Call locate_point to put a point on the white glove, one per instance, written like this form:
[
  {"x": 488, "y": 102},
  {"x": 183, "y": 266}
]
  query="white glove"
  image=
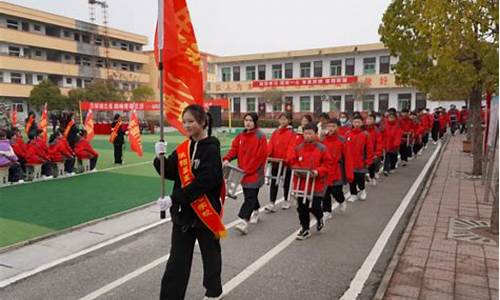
[
  {"x": 160, "y": 148},
  {"x": 225, "y": 163},
  {"x": 164, "y": 203}
]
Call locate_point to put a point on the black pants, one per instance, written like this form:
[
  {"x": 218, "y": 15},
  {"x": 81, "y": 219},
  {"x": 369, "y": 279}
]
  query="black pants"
[
  {"x": 118, "y": 153},
  {"x": 176, "y": 276},
  {"x": 273, "y": 190},
  {"x": 359, "y": 182},
  {"x": 93, "y": 162},
  {"x": 435, "y": 131},
  {"x": 463, "y": 128},
  {"x": 417, "y": 147},
  {"x": 69, "y": 165},
  {"x": 404, "y": 151},
  {"x": 250, "y": 203},
  {"x": 425, "y": 139},
  {"x": 47, "y": 169},
  {"x": 453, "y": 127},
  {"x": 374, "y": 167},
  {"x": 304, "y": 210},
  {"x": 391, "y": 158},
  {"x": 15, "y": 172},
  {"x": 337, "y": 193}
]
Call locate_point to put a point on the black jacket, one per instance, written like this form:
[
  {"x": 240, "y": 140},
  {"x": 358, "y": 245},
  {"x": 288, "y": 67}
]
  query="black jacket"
[{"x": 207, "y": 180}]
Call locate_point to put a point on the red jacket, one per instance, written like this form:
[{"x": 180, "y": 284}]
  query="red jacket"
[
  {"x": 341, "y": 170},
  {"x": 312, "y": 156},
  {"x": 281, "y": 142},
  {"x": 464, "y": 115},
  {"x": 343, "y": 130},
  {"x": 37, "y": 152},
  {"x": 376, "y": 139},
  {"x": 453, "y": 116},
  {"x": 84, "y": 150},
  {"x": 420, "y": 130},
  {"x": 250, "y": 148},
  {"x": 391, "y": 136},
  {"x": 19, "y": 148},
  {"x": 407, "y": 129},
  {"x": 426, "y": 122},
  {"x": 359, "y": 145},
  {"x": 443, "y": 121},
  {"x": 58, "y": 151}
]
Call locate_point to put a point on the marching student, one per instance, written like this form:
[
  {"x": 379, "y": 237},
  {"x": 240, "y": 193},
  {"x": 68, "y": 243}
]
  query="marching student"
[
  {"x": 341, "y": 171},
  {"x": 453, "y": 118},
  {"x": 279, "y": 145},
  {"x": 464, "y": 115},
  {"x": 435, "y": 125},
  {"x": 314, "y": 156},
  {"x": 345, "y": 123},
  {"x": 117, "y": 138},
  {"x": 195, "y": 205},
  {"x": 250, "y": 148},
  {"x": 322, "y": 121},
  {"x": 443, "y": 122},
  {"x": 425, "y": 120},
  {"x": 30, "y": 127},
  {"x": 299, "y": 134},
  {"x": 84, "y": 150},
  {"x": 8, "y": 159},
  {"x": 419, "y": 131},
  {"x": 391, "y": 137},
  {"x": 406, "y": 125},
  {"x": 359, "y": 144},
  {"x": 376, "y": 145}
]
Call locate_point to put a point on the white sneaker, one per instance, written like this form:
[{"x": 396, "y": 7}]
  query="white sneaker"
[
  {"x": 377, "y": 175},
  {"x": 210, "y": 298},
  {"x": 343, "y": 207},
  {"x": 397, "y": 165},
  {"x": 362, "y": 195},
  {"x": 270, "y": 208},
  {"x": 352, "y": 198},
  {"x": 47, "y": 177},
  {"x": 242, "y": 227},
  {"x": 327, "y": 216},
  {"x": 93, "y": 170},
  {"x": 254, "y": 219},
  {"x": 20, "y": 181},
  {"x": 286, "y": 205},
  {"x": 419, "y": 153},
  {"x": 374, "y": 182}
]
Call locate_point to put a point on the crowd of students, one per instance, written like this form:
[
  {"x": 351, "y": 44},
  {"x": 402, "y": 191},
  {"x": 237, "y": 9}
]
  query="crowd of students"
[
  {"x": 66, "y": 144},
  {"x": 352, "y": 150}
]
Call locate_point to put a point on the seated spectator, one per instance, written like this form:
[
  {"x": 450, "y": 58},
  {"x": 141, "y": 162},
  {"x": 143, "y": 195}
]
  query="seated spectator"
[
  {"x": 84, "y": 150},
  {"x": 9, "y": 159},
  {"x": 59, "y": 151},
  {"x": 17, "y": 142},
  {"x": 37, "y": 153}
]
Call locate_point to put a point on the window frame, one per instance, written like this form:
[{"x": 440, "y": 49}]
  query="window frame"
[
  {"x": 337, "y": 65},
  {"x": 384, "y": 67},
  {"x": 305, "y": 69},
  {"x": 318, "y": 68},
  {"x": 302, "y": 103}
]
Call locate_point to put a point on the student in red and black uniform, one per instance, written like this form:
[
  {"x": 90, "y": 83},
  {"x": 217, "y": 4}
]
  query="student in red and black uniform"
[
  {"x": 37, "y": 153},
  {"x": 406, "y": 125},
  {"x": 425, "y": 120},
  {"x": 376, "y": 145},
  {"x": 359, "y": 144},
  {"x": 59, "y": 151},
  {"x": 84, "y": 150},
  {"x": 345, "y": 124},
  {"x": 250, "y": 148},
  {"x": 341, "y": 171},
  {"x": 419, "y": 131},
  {"x": 117, "y": 138},
  {"x": 314, "y": 156},
  {"x": 187, "y": 225},
  {"x": 443, "y": 122},
  {"x": 453, "y": 118},
  {"x": 281, "y": 142},
  {"x": 464, "y": 116},
  {"x": 391, "y": 136}
]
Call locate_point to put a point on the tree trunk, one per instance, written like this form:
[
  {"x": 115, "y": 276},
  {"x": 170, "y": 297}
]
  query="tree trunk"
[
  {"x": 476, "y": 131},
  {"x": 494, "y": 213}
]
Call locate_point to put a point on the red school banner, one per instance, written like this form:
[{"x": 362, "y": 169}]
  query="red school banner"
[
  {"x": 128, "y": 106},
  {"x": 304, "y": 81}
]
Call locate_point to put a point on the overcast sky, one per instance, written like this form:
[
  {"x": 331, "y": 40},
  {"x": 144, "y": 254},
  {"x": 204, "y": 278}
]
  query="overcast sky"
[{"x": 229, "y": 27}]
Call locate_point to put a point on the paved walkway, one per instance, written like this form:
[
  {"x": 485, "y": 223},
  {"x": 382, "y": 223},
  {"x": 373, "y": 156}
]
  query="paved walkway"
[{"x": 434, "y": 266}]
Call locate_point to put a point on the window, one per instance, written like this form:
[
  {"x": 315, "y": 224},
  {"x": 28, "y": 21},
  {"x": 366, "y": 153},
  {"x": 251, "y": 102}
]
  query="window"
[
  {"x": 349, "y": 66},
  {"x": 138, "y": 47},
  {"x": 39, "y": 78},
  {"x": 125, "y": 86},
  {"x": 98, "y": 41},
  {"x": 305, "y": 69},
  {"x": 14, "y": 51},
  {"x": 1, "y": 76},
  {"x": 383, "y": 102},
  {"x": 369, "y": 65},
  {"x": 76, "y": 37},
  {"x": 277, "y": 71},
  {"x": 289, "y": 70},
  {"x": 115, "y": 64},
  {"x": 420, "y": 101},
  {"x": 100, "y": 63},
  {"x": 251, "y": 107},
  {"x": 349, "y": 103},
  {"x": 385, "y": 65},
  {"x": 226, "y": 74},
  {"x": 404, "y": 101},
  {"x": 124, "y": 46},
  {"x": 132, "y": 67},
  {"x": 78, "y": 60},
  {"x": 37, "y": 27},
  {"x": 250, "y": 72},
  {"x": 69, "y": 81},
  {"x": 25, "y": 26},
  {"x": 124, "y": 67},
  {"x": 335, "y": 67},
  {"x": 86, "y": 61},
  {"x": 66, "y": 33},
  {"x": 305, "y": 104},
  {"x": 236, "y": 73},
  {"x": 38, "y": 52},
  {"x": 79, "y": 82},
  {"x": 262, "y": 72},
  {"x": 236, "y": 105},
  {"x": 16, "y": 78},
  {"x": 12, "y": 24},
  {"x": 318, "y": 69},
  {"x": 368, "y": 102},
  {"x": 335, "y": 103},
  {"x": 67, "y": 57},
  {"x": 277, "y": 107},
  {"x": 86, "y": 38},
  {"x": 113, "y": 43}
]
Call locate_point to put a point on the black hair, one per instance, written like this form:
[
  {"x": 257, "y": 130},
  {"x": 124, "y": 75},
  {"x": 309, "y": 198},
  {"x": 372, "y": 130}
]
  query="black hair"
[
  {"x": 334, "y": 121},
  {"x": 115, "y": 118},
  {"x": 200, "y": 116},
  {"x": 308, "y": 117},
  {"x": 3, "y": 134},
  {"x": 324, "y": 115},
  {"x": 311, "y": 126},
  {"x": 53, "y": 137},
  {"x": 372, "y": 115},
  {"x": 254, "y": 117},
  {"x": 357, "y": 116},
  {"x": 405, "y": 110},
  {"x": 286, "y": 115}
]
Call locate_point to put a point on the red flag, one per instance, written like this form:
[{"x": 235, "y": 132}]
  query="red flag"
[
  {"x": 89, "y": 125},
  {"x": 13, "y": 115},
  {"x": 182, "y": 70},
  {"x": 134, "y": 134},
  {"x": 43, "y": 123}
]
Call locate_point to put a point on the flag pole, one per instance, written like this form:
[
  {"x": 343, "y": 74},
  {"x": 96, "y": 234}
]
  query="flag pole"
[{"x": 160, "y": 69}]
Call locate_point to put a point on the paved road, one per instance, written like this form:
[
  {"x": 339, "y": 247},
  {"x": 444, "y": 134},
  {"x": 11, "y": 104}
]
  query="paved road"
[{"x": 321, "y": 267}]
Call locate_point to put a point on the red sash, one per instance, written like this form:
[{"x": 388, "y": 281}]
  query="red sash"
[
  {"x": 68, "y": 128},
  {"x": 201, "y": 206},
  {"x": 29, "y": 124},
  {"x": 114, "y": 133}
]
